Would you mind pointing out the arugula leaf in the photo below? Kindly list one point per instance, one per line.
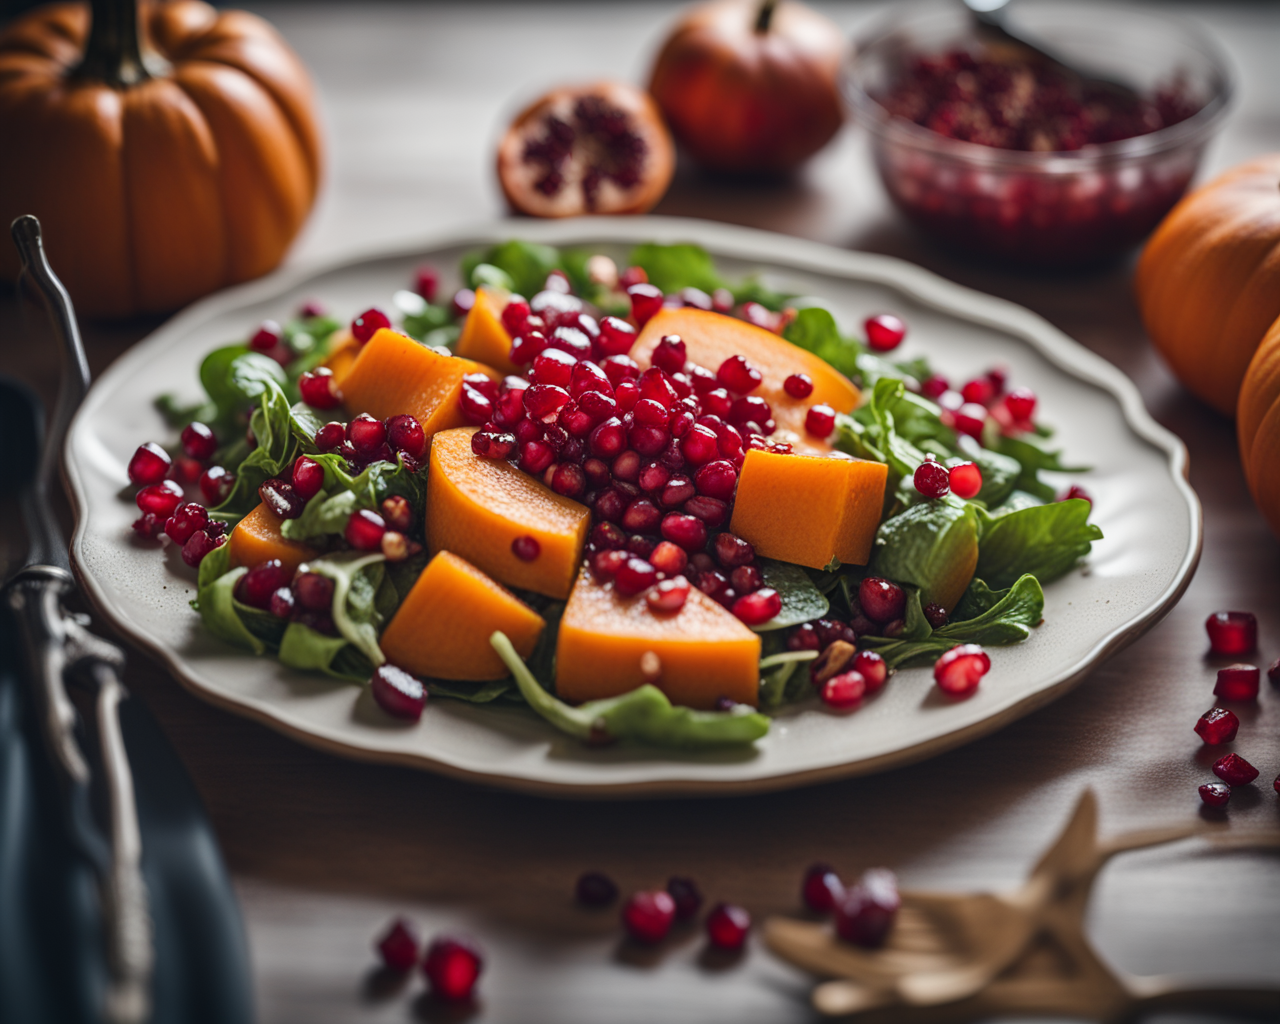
(303, 648)
(778, 678)
(234, 376)
(327, 511)
(526, 264)
(272, 426)
(1044, 540)
(1032, 456)
(356, 579)
(1008, 621)
(814, 330)
(644, 714)
(801, 600)
(672, 267)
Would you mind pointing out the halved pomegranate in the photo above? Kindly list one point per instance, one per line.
(598, 148)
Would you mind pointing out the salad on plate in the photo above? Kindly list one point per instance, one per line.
(647, 502)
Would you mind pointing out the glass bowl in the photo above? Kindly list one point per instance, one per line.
(1048, 209)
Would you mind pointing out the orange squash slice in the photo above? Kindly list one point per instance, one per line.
(443, 627)
(809, 509)
(711, 338)
(343, 350)
(394, 374)
(700, 653)
(477, 508)
(483, 337)
(256, 538)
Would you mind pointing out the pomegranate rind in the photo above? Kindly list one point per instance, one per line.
(517, 178)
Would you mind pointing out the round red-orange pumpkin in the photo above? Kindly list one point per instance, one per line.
(1258, 426)
(168, 150)
(751, 85)
(1208, 282)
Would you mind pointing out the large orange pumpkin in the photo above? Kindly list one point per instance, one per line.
(1258, 426)
(167, 152)
(1208, 283)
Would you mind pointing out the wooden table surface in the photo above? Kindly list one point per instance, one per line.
(324, 851)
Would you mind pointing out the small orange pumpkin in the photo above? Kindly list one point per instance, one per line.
(1208, 282)
(1258, 426)
(163, 163)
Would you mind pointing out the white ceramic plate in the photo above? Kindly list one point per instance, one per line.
(1149, 514)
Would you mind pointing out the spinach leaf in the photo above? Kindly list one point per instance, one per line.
(272, 426)
(303, 648)
(644, 714)
(1044, 540)
(778, 673)
(234, 376)
(1033, 456)
(526, 264)
(672, 267)
(801, 600)
(928, 546)
(814, 330)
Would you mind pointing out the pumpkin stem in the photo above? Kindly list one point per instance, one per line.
(113, 55)
(765, 16)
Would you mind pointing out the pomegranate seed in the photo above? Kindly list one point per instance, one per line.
(966, 480)
(148, 526)
(831, 630)
(610, 505)
(884, 331)
(185, 521)
(804, 638)
(931, 478)
(626, 467)
(646, 300)
(687, 531)
(536, 456)
(881, 600)
(1232, 632)
(935, 387)
(798, 385)
(595, 889)
(570, 340)
(569, 480)
(318, 389)
(149, 465)
(282, 602)
(727, 926)
(699, 445)
(1237, 682)
(820, 420)
(648, 916)
(686, 896)
(160, 499)
(266, 337)
(736, 374)
(620, 368)
(979, 391)
(1217, 726)
(405, 434)
(650, 413)
(198, 545)
(935, 614)
(872, 668)
(716, 479)
(633, 576)
(608, 439)
(616, 337)
(729, 441)
(655, 385)
(330, 436)
(732, 551)
(678, 490)
(526, 431)
(1021, 403)
(526, 548)
(553, 366)
(1234, 770)
(366, 434)
(187, 470)
(668, 595)
(515, 316)
(198, 442)
(960, 669)
(399, 946)
(364, 530)
(281, 498)
(717, 402)
(821, 889)
(526, 347)
(711, 511)
(544, 401)
(313, 591)
(368, 323)
(308, 477)
(653, 477)
(476, 407)
(647, 441)
(1273, 673)
(1075, 491)
(845, 690)
(754, 609)
(453, 967)
(670, 354)
(462, 302)
(1215, 794)
(711, 582)
(597, 406)
(626, 393)
(642, 516)
(868, 909)
(398, 693)
(969, 419)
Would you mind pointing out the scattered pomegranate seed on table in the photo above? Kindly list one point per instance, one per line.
(648, 916)
(453, 967)
(687, 897)
(397, 692)
(821, 889)
(1232, 632)
(399, 946)
(595, 889)
(1234, 770)
(867, 912)
(1217, 726)
(1215, 794)
(728, 926)
(960, 669)
(884, 331)
(1237, 682)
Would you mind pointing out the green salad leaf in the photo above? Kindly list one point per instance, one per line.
(356, 579)
(782, 678)
(672, 267)
(1044, 540)
(801, 600)
(926, 546)
(814, 330)
(303, 648)
(644, 714)
(525, 264)
(272, 426)
(216, 603)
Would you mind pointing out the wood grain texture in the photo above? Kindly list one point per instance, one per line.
(325, 851)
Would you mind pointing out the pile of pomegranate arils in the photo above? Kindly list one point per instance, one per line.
(1232, 634)
(451, 964)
